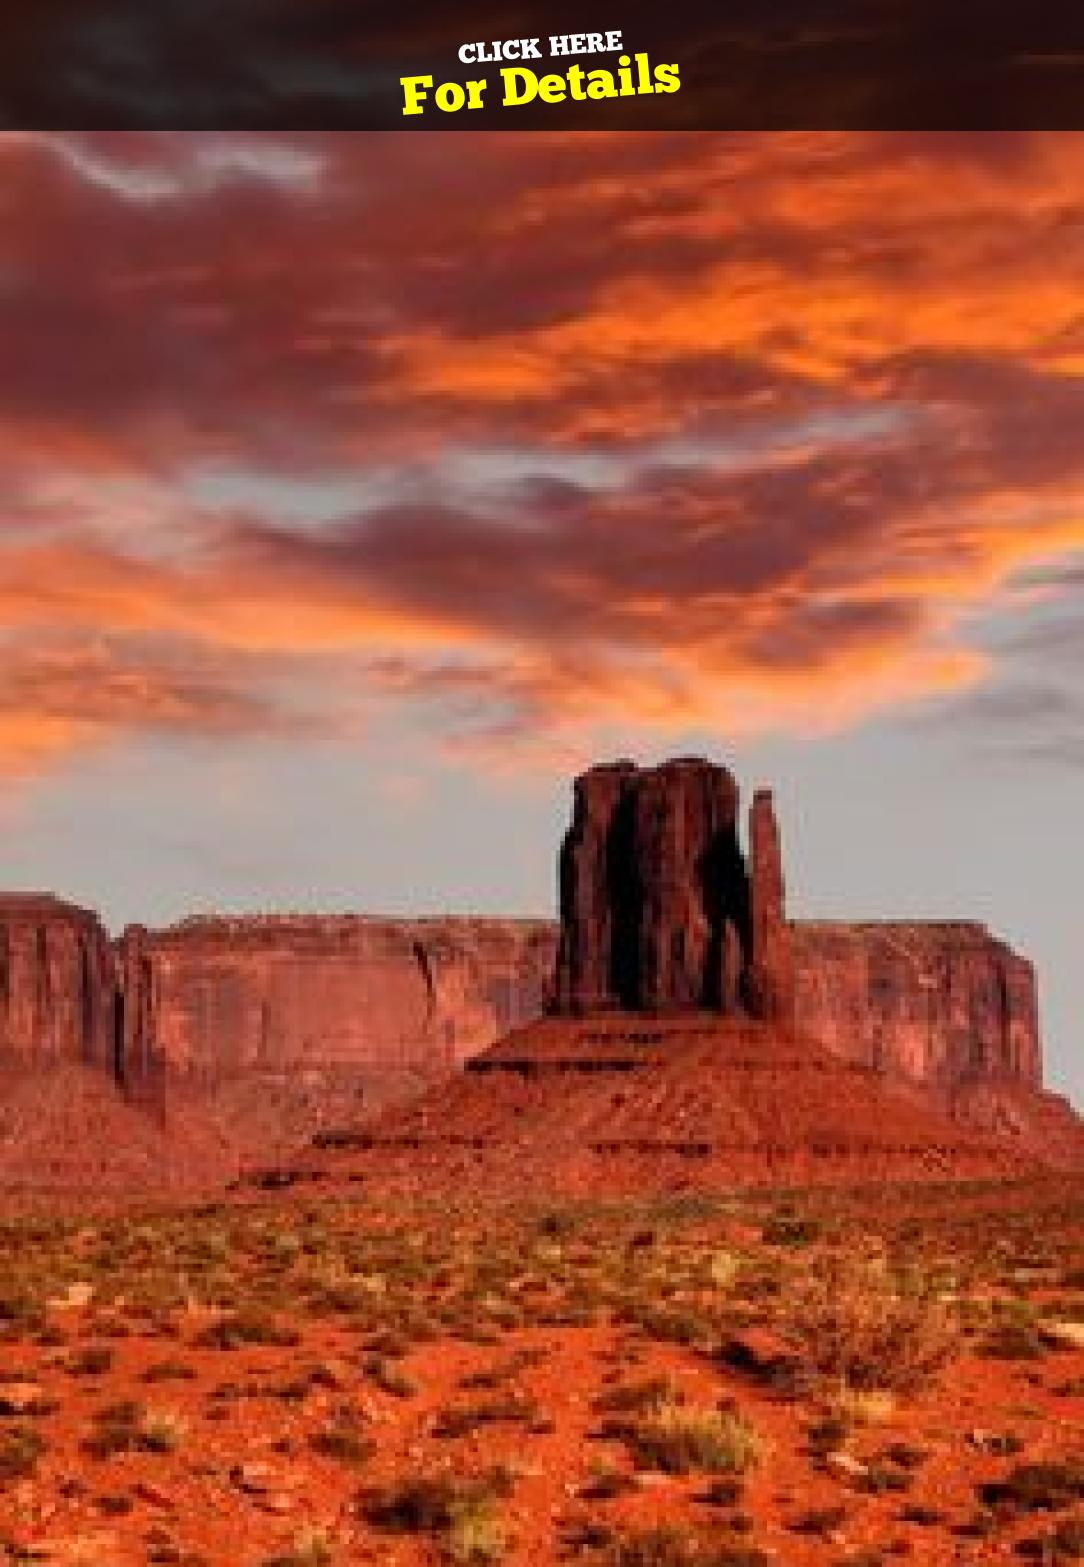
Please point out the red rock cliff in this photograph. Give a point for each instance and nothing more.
(944, 1006)
(57, 985)
(658, 910)
(771, 966)
(939, 1004)
(214, 999)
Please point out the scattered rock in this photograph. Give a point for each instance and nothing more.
(255, 1479)
(75, 1298)
(846, 1465)
(22, 1398)
(1062, 1335)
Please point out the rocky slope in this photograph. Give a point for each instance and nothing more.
(612, 1104)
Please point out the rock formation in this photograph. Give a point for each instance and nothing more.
(937, 1005)
(618, 1103)
(687, 1049)
(932, 1003)
(308, 996)
(771, 966)
(140, 1067)
(587, 872)
(658, 910)
(286, 1022)
(57, 985)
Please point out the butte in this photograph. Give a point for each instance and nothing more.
(673, 1055)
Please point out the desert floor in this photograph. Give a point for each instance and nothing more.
(815, 1380)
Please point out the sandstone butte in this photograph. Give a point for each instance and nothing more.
(187, 1054)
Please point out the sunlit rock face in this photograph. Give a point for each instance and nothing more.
(659, 911)
(938, 1003)
(213, 999)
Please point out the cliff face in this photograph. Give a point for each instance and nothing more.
(939, 1004)
(57, 985)
(212, 1000)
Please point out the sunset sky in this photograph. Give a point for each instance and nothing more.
(359, 488)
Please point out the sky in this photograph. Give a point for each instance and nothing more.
(357, 489)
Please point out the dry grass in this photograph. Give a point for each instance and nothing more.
(866, 1325)
(674, 1437)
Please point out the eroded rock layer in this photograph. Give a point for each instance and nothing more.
(619, 1103)
(249, 1033)
(938, 1004)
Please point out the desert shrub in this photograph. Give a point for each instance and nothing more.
(1014, 1334)
(722, 1491)
(18, 1399)
(853, 1406)
(169, 1371)
(461, 1512)
(723, 1269)
(670, 1545)
(389, 1343)
(21, 1313)
(418, 1504)
(1038, 1487)
(344, 1441)
(672, 1324)
(504, 1409)
(115, 1429)
(879, 1477)
(311, 1548)
(390, 1377)
(630, 1398)
(94, 1360)
(250, 1325)
(605, 1482)
(475, 1534)
(128, 1427)
(790, 1229)
(558, 1224)
(679, 1438)
(866, 1325)
(162, 1430)
(20, 1449)
(1065, 1544)
(820, 1521)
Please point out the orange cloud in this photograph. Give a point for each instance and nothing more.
(619, 433)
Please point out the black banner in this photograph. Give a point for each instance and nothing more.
(311, 64)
